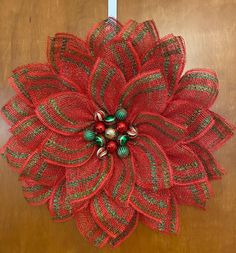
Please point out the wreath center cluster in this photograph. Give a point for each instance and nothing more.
(111, 133)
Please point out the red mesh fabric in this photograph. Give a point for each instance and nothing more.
(169, 162)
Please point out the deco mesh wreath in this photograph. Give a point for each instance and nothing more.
(109, 133)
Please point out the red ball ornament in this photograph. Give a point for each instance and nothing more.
(111, 146)
(100, 127)
(121, 127)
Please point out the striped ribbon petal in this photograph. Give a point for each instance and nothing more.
(59, 204)
(66, 113)
(69, 57)
(35, 82)
(114, 242)
(211, 166)
(121, 184)
(154, 205)
(105, 84)
(38, 170)
(15, 154)
(199, 86)
(84, 182)
(30, 132)
(90, 230)
(152, 168)
(143, 36)
(111, 217)
(196, 119)
(186, 166)
(169, 56)
(35, 193)
(166, 132)
(123, 55)
(193, 195)
(168, 224)
(101, 34)
(146, 92)
(15, 110)
(220, 132)
(70, 151)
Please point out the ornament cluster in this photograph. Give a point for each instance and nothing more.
(111, 133)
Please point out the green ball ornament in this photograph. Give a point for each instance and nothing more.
(99, 140)
(121, 114)
(110, 119)
(122, 139)
(89, 135)
(123, 151)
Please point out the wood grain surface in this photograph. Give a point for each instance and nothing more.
(209, 28)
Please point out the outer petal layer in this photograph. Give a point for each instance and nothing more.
(15, 110)
(35, 82)
(196, 119)
(152, 167)
(168, 224)
(34, 193)
(112, 218)
(150, 204)
(59, 205)
(66, 113)
(90, 230)
(186, 166)
(218, 134)
(84, 182)
(199, 86)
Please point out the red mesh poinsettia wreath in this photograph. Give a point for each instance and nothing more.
(109, 132)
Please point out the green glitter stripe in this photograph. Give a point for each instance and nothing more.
(117, 57)
(8, 115)
(189, 178)
(130, 56)
(78, 64)
(162, 121)
(41, 170)
(20, 128)
(100, 239)
(89, 191)
(186, 166)
(205, 123)
(58, 126)
(163, 164)
(32, 188)
(75, 183)
(102, 219)
(106, 82)
(149, 199)
(16, 107)
(52, 54)
(209, 159)
(195, 195)
(166, 65)
(127, 230)
(30, 164)
(200, 75)
(205, 190)
(193, 117)
(33, 134)
(112, 212)
(173, 79)
(173, 216)
(138, 82)
(20, 86)
(96, 76)
(129, 30)
(60, 113)
(140, 36)
(119, 182)
(40, 197)
(16, 155)
(64, 161)
(124, 197)
(51, 143)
